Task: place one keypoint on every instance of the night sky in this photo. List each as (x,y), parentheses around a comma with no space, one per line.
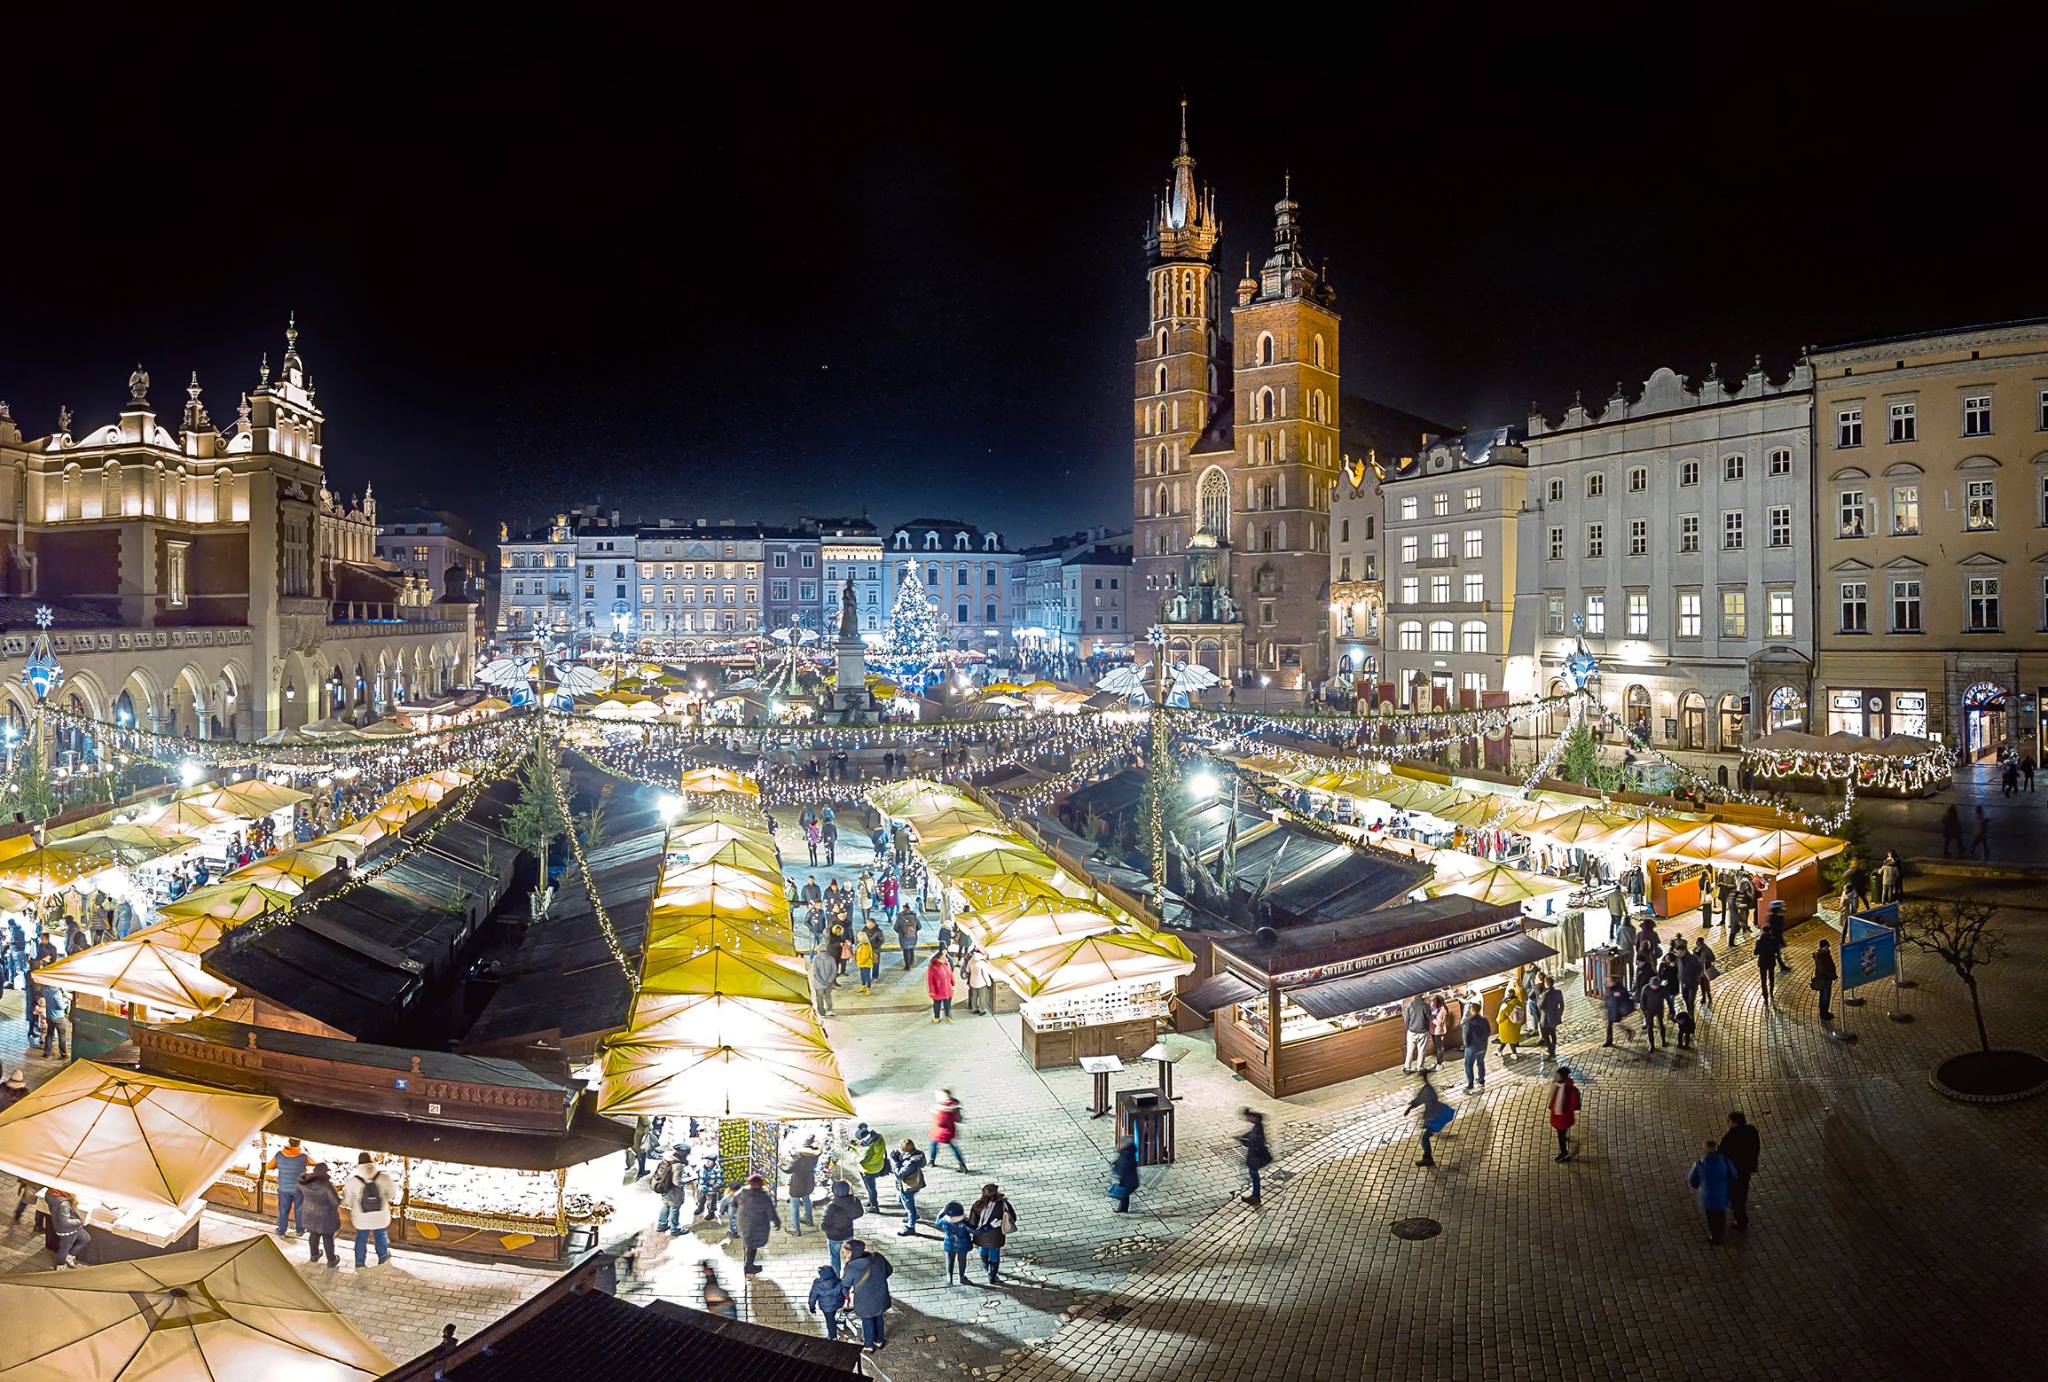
(709,273)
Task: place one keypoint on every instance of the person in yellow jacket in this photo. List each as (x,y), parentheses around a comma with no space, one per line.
(867,962)
(1507,1022)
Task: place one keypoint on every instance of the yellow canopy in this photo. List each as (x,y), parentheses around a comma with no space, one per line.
(947,856)
(1782,851)
(121,1137)
(727,877)
(299,866)
(1001,864)
(236,1310)
(705,837)
(51,867)
(1500,885)
(706,1019)
(1473,810)
(1638,836)
(722,1078)
(137,970)
(725,971)
(717,780)
(15,900)
(157,838)
(1704,844)
(255,797)
(720,815)
(1411,794)
(750,856)
(676,934)
(1040,922)
(688,905)
(362,834)
(1094,962)
(1006,889)
(230,901)
(942,826)
(190,817)
(1577,827)
(194,935)
(919,796)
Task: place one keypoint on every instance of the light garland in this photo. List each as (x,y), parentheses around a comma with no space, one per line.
(1705,789)
(597,908)
(1882,771)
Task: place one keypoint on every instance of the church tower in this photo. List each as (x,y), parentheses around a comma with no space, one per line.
(1175,379)
(1285,372)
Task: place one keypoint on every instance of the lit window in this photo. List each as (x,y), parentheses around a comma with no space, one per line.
(1475,543)
(1553,613)
(1475,588)
(1596,614)
(1440,546)
(1779,610)
(1473,499)
(1905,510)
(1439,504)
(1638,613)
(1408,505)
(1408,635)
(1441,637)
(1982,510)
(1439,590)
(1409,546)
(1411,590)
(1688,614)
(1734,614)
(1472,636)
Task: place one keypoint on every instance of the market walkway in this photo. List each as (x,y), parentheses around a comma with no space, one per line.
(1896,1234)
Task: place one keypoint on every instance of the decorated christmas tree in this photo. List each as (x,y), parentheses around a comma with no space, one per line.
(913,623)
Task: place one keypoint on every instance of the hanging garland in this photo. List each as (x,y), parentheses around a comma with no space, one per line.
(597,907)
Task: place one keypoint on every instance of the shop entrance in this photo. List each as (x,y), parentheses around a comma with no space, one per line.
(1984,719)
(1692,721)
(1636,713)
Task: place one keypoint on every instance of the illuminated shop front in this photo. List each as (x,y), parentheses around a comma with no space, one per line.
(1877,712)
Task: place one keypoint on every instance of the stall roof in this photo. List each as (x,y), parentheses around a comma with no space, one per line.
(1392,983)
(439,1065)
(590,1136)
(1392,928)
(1219,990)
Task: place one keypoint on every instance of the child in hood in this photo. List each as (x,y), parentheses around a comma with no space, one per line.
(959,1240)
(828,1298)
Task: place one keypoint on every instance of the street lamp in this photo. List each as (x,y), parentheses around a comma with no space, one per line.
(1203,786)
(189,772)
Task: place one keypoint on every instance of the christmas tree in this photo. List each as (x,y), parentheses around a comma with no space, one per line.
(913,623)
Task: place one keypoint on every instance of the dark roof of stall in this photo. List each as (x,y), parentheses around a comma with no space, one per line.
(1369,933)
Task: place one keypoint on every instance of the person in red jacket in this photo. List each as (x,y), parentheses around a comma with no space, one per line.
(938,982)
(946,1129)
(1564,1111)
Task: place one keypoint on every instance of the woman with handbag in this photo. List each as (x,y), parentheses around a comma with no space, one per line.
(991,1220)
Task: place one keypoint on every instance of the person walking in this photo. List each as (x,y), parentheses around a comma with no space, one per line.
(874,1161)
(2027,770)
(67,1227)
(1743,1148)
(829,833)
(824,974)
(320,1213)
(837,1224)
(1617,1004)
(812,838)
(1952,832)
(828,1298)
(908,1164)
(368,1195)
(939,984)
(1257,1155)
(1123,1175)
(990,1222)
(1708,973)
(1436,1116)
(1549,1017)
(1564,1111)
(867,962)
(1712,1176)
(802,1170)
(866,1279)
(1824,976)
(709,1176)
(1650,1003)
(1507,1022)
(671,1185)
(907,927)
(753,1216)
(981,984)
(1980,838)
(1415,1019)
(1617,912)
(1889,876)
(959,1239)
(290,1164)
(1767,948)
(54,1022)
(946,1116)
(1473,1032)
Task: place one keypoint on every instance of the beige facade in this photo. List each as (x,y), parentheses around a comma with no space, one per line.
(1931,502)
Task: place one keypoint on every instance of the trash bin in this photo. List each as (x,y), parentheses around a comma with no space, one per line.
(1147,1119)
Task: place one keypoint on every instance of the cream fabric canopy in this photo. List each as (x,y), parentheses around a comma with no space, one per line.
(124,1138)
(235,1311)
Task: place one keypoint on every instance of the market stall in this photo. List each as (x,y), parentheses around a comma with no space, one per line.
(1101,995)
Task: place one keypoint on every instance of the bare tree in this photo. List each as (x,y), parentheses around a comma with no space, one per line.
(1958,929)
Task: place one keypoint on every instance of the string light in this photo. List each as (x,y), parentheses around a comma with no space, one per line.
(597,907)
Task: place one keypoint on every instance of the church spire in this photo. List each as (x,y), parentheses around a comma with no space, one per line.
(1184,224)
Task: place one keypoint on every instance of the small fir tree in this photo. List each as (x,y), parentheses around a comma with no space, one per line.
(536,818)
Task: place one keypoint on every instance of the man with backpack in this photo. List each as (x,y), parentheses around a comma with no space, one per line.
(368,1195)
(874,1161)
(672,1183)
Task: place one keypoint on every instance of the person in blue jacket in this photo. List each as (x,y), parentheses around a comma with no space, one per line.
(959,1240)
(1123,1175)
(1712,1176)
(828,1298)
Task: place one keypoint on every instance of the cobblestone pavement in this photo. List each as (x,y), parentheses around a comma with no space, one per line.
(1895,1234)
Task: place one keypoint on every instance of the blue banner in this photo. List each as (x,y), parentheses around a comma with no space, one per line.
(1869,958)
(1861,924)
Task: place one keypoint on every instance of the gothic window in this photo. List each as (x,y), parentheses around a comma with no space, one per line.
(1159,419)
(1263,409)
(1315,351)
(1162,340)
(1266,348)
(1162,462)
(1161,508)
(1162,380)
(1187,293)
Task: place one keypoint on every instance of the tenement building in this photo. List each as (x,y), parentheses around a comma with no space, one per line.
(1238,434)
(213,582)
(1674,527)
(1932,503)
(968,576)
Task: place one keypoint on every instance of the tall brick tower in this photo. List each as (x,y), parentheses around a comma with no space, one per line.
(1175,379)
(1284,343)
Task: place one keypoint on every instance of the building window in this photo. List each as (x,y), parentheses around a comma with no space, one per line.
(1903,421)
(1781,461)
(1596,485)
(1474,497)
(1731,467)
(174,573)
(1411,590)
(1855,617)
(1557,544)
(1440,504)
(1905,607)
(1556,491)
(1440,546)
(1638,479)
(1688,614)
(1848,427)
(1781,525)
(1638,607)
(1977,415)
(1475,543)
(1596,540)
(1734,614)
(1439,590)
(1982,511)
(1778,610)
(1596,614)
(1981,599)
(1849,507)
(1475,588)
(1731,531)
(1472,636)
(1408,636)
(1688,532)
(1639,537)
(1905,510)
(1409,546)
(1442,638)
(1553,613)
(1688,472)
(1408,505)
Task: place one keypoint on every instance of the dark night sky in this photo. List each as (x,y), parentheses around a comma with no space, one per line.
(705,273)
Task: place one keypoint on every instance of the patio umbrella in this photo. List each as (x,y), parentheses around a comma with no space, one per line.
(190,817)
(137,970)
(1478,809)
(716,780)
(1638,836)
(727,972)
(1001,864)
(1704,844)
(50,867)
(1782,851)
(1577,827)
(123,1137)
(716,1079)
(233,1311)
(230,902)
(1007,889)
(1500,885)
(748,855)
(256,797)
(194,935)
(161,839)
(1094,962)
(1407,794)
(1035,924)
(950,824)
(917,796)
(949,854)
